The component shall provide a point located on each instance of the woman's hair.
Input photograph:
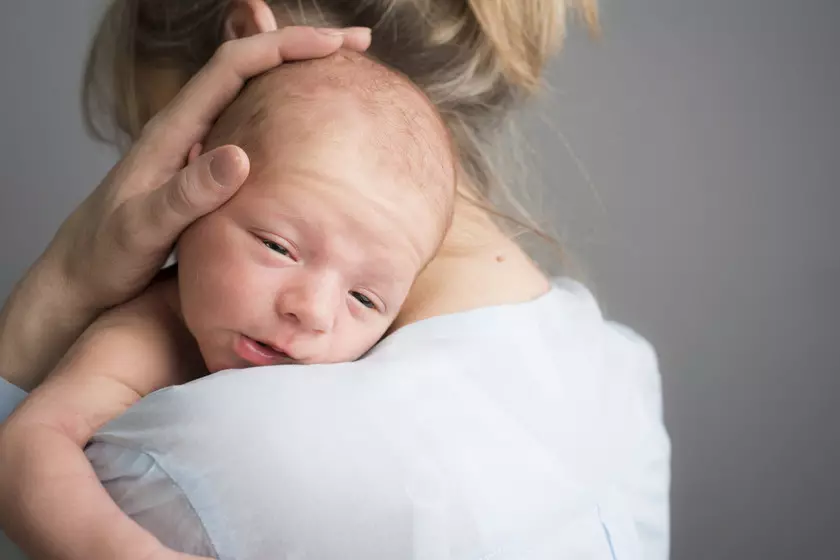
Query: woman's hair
(476, 60)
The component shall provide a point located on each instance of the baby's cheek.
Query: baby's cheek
(228, 288)
(369, 336)
(208, 281)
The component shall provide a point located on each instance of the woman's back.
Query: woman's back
(518, 431)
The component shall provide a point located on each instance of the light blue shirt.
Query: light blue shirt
(10, 397)
(529, 431)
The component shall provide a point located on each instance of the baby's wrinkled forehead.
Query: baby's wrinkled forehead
(356, 104)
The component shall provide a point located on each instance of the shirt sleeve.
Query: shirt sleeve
(10, 397)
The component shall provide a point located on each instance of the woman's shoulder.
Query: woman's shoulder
(443, 420)
(560, 336)
(567, 314)
(552, 362)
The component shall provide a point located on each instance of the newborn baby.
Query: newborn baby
(349, 196)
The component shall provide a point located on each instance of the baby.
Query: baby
(349, 196)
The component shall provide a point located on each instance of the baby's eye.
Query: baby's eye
(276, 247)
(364, 300)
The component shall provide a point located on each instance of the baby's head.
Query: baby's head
(349, 196)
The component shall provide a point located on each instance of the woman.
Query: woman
(504, 418)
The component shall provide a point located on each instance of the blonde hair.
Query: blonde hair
(476, 60)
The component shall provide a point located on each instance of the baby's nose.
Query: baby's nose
(312, 318)
(313, 307)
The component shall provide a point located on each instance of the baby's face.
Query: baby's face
(310, 261)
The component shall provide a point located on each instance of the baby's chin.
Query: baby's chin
(218, 359)
(215, 366)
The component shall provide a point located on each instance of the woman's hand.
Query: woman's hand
(114, 243)
(117, 240)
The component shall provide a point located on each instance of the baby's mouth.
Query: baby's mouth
(272, 348)
(259, 353)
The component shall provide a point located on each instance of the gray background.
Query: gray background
(700, 197)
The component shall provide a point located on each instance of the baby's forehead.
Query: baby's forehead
(365, 116)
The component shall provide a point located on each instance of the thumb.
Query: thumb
(204, 185)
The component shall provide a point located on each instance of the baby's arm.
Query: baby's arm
(51, 502)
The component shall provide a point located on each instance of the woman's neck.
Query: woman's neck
(477, 266)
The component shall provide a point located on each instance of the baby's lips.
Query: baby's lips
(282, 352)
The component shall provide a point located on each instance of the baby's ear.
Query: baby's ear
(195, 151)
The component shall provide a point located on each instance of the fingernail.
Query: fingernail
(224, 168)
